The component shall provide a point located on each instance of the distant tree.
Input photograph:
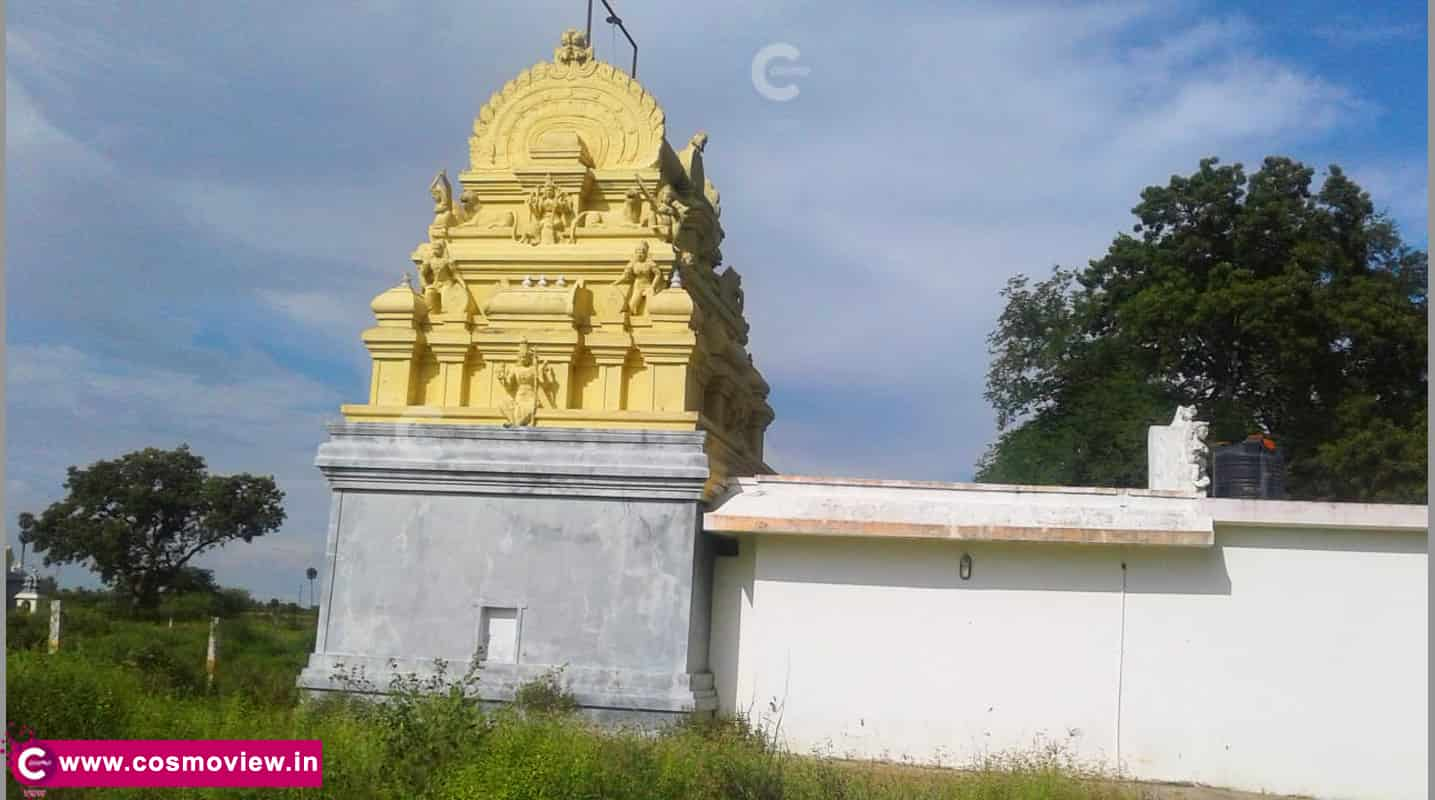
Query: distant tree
(230, 601)
(1271, 307)
(193, 580)
(138, 520)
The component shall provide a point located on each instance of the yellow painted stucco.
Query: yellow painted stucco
(576, 280)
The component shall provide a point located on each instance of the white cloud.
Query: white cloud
(1359, 34)
(1399, 188)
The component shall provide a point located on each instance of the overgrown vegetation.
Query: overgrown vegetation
(121, 678)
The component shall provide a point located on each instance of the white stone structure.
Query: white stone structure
(1261, 645)
(1176, 455)
(28, 598)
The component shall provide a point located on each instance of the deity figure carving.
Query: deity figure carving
(443, 288)
(573, 48)
(665, 213)
(550, 215)
(529, 382)
(471, 214)
(643, 277)
(442, 193)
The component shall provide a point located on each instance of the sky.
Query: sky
(202, 198)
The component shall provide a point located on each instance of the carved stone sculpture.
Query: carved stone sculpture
(643, 279)
(442, 193)
(443, 288)
(573, 48)
(1177, 456)
(528, 381)
(471, 214)
(633, 207)
(665, 212)
(551, 214)
(1195, 449)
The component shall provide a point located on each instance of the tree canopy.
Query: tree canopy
(1270, 305)
(139, 519)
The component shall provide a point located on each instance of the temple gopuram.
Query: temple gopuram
(573, 277)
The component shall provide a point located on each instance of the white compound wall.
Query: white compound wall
(1288, 658)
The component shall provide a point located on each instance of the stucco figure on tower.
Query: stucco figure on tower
(529, 380)
(442, 193)
(551, 214)
(573, 48)
(664, 213)
(643, 279)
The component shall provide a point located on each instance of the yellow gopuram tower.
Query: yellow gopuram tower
(575, 280)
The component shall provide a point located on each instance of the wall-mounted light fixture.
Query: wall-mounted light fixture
(964, 567)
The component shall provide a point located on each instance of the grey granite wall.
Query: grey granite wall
(526, 548)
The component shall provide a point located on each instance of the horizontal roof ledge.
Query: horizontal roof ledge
(716, 522)
(1233, 512)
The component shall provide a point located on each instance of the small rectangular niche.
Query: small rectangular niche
(499, 629)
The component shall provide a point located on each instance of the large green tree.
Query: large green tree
(139, 519)
(1271, 305)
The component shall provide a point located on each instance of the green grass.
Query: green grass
(134, 679)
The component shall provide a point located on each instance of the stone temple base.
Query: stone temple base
(525, 549)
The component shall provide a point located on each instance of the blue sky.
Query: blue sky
(202, 198)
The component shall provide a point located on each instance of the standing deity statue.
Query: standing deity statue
(551, 214)
(643, 277)
(528, 381)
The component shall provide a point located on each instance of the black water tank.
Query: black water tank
(1250, 469)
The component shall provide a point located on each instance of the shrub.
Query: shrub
(26, 631)
(70, 696)
(545, 694)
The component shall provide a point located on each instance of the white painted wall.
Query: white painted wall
(1286, 660)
